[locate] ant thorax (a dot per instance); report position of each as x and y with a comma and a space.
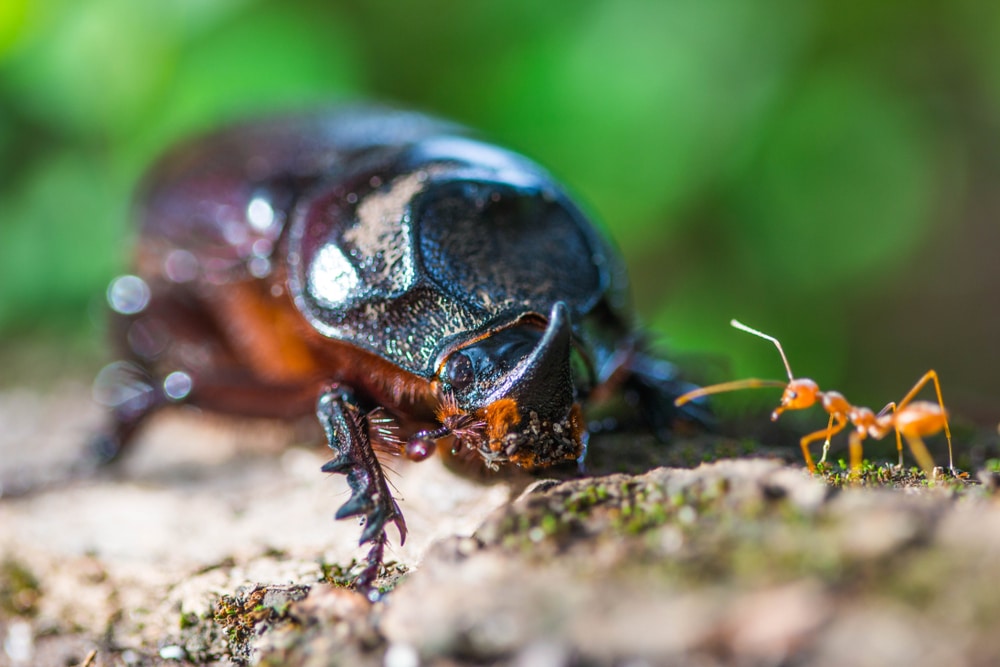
835, 404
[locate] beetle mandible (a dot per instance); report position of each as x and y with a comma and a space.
412, 285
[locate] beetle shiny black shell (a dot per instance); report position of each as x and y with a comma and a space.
407, 282
400, 235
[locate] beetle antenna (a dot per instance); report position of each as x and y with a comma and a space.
742, 327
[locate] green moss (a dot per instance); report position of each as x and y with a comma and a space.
20, 590
887, 475
189, 620
390, 574
550, 524
337, 574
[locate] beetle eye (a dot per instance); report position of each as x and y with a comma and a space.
458, 371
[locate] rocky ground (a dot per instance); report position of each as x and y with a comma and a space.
215, 545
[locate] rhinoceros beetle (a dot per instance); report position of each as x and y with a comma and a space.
417, 288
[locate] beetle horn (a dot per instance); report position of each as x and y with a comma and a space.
543, 379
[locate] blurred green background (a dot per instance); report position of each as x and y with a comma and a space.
823, 170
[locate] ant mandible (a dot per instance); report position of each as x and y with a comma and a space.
913, 420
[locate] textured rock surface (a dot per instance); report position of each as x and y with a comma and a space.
216, 545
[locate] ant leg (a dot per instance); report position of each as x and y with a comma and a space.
928, 376
347, 435
920, 453
856, 453
831, 430
891, 406
826, 443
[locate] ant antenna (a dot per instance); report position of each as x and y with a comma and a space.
742, 327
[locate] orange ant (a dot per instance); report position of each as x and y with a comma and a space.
911, 419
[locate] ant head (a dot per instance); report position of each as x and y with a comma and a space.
798, 395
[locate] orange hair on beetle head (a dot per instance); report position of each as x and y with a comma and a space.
500, 417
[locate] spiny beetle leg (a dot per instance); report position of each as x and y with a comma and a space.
346, 430
131, 394
656, 385
373, 561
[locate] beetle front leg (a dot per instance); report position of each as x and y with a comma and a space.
346, 430
656, 385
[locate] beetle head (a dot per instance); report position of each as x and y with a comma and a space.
510, 395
